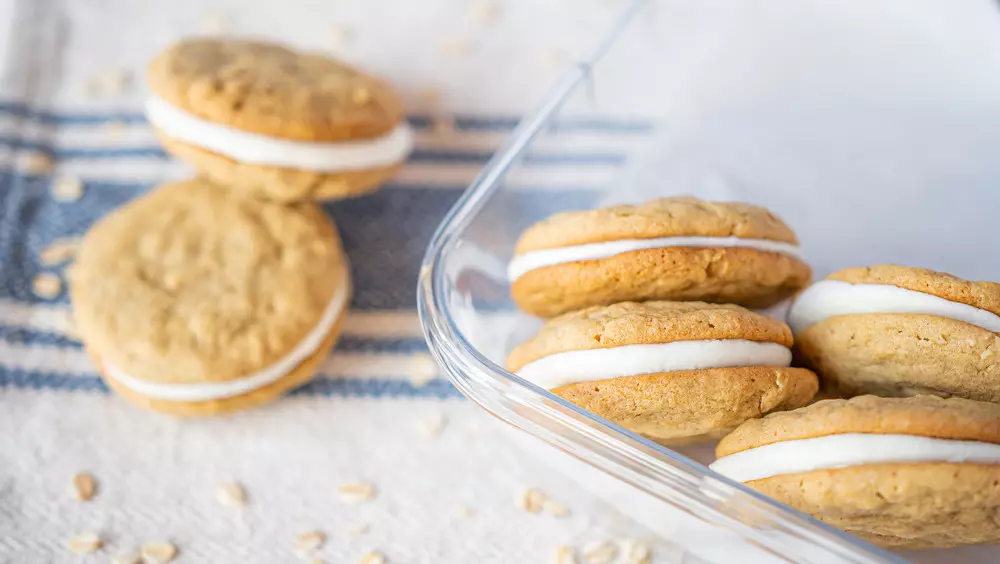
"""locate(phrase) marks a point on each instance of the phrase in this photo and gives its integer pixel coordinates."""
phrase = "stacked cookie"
(650, 329)
(221, 292)
(917, 462)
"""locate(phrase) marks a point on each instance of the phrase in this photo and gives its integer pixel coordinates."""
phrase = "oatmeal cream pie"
(898, 331)
(195, 300)
(913, 472)
(667, 249)
(672, 371)
(276, 123)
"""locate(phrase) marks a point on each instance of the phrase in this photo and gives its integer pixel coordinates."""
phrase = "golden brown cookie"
(276, 123)
(667, 370)
(667, 249)
(194, 300)
(900, 472)
(899, 331)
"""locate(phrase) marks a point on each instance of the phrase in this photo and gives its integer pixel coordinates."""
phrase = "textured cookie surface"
(984, 295)
(665, 217)
(899, 505)
(632, 323)
(747, 277)
(693, 403)
(903, 355)
(927, 416)
(190, 283)
(279, 184)
(271, 90)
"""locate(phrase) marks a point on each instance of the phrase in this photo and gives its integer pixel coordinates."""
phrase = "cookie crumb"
(423, 369)
(60, 251)
(466, 511)
(599, 552)
(443, 125)
(373, 557)
(214, 23)
(126, 558)
(429, 97)
(158, 552)
(485, 12)
(359, 530)
(231, 495)
(84, 486)
(555, 509)
(307, 543)
(530, 500)
(85, 543)
(37, 163)
(46, 285)
(108, 83)
(433, 426)
(340, 35)
(635, 552)
(355, 492)
(67, 189)
(564, 555)
(455, 47)
(115, 129)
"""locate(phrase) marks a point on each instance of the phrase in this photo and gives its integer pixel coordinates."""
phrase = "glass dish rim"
(449, 346)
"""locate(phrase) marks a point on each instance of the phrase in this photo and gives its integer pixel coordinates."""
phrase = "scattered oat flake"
(530, 500)
(635, 552)
(231, 495)
(108, 83)
(355, 492)
(373, 557)
(359, 530)
(456, 47)
(37, 163)
(67, 189)
(555, 509)
(429, 97)
(433, 425)
(46, 285)
(84, 543)
(157, 552)
(60, 251)
(127, 558)
(564, 555)
(115, 129)
(599, 552)
(84, 486)
(423, 369)
(443, 125)
(485, 12)
(466, 512)
(307, 543)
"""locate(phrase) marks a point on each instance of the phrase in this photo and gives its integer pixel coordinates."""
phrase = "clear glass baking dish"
(760, 148)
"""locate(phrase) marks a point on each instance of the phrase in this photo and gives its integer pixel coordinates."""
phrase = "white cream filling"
(263, 150)
(573, 367)
(830, 298)
(849, 449)
(534, 260)
(220, 390)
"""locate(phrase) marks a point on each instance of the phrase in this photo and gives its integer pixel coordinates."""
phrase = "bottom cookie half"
(899, 505)
(900, 355)
(297, 377)
(672, 406)
(279, 184)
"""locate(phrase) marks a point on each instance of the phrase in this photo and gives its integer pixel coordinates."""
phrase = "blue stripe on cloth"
(428, 156)
(462, 123)
(347, 343)
(384, 234)
(373, 388)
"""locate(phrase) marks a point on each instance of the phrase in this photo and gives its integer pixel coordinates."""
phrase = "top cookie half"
(271, 90)
(666, 249)
(190, 283)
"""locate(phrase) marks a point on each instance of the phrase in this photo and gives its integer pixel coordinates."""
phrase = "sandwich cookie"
(897, 331)
(900, 472)
(275, 123)
(193, 300)
(666, 249)
(672, 371)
